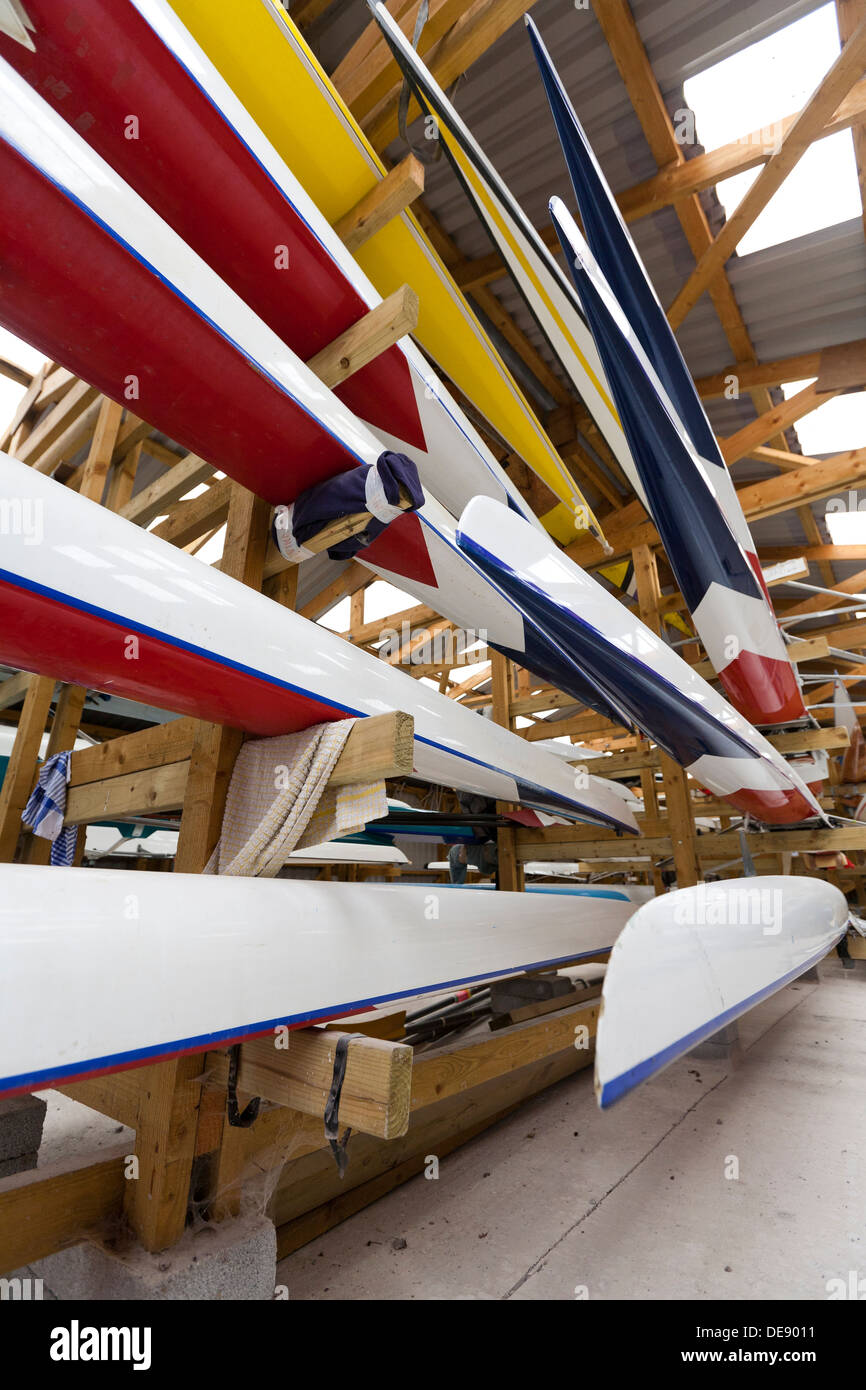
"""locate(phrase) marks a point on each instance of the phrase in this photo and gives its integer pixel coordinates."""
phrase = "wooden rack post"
(511, 872)
(679, 814)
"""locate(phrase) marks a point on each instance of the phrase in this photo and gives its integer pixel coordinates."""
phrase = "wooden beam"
(365, 340)
(480, 25)
(391, 196)
(630, 527)
(379, 746)
(850, 13)
(368, 72)
(299, 1074)
(188, 520)
(14, 688)
(56, 420)
(143, 793)
(94, 470)
(703, 171)
(161, 495)
(847, 69)
(773, 421)
(49, 1209)
(18, 782)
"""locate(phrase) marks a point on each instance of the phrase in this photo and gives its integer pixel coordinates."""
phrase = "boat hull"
(660, 693)
(692, 961)
(89, 598)
(260, 53)
(106, 969)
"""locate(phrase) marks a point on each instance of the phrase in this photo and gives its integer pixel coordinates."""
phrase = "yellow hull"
(262, 56)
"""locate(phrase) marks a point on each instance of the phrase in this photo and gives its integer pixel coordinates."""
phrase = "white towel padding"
(377, 503)
(279, 800)
(286, 544)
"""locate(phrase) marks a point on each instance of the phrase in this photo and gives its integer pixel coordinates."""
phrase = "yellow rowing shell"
(272, 71)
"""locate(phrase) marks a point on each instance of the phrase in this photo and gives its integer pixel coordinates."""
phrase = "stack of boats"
(189, 249)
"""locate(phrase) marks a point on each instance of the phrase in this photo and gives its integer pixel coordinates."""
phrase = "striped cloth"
(46, 809)
(279, 800)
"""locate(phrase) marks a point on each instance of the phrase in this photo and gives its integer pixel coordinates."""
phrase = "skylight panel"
(752, 91)
(837, 425)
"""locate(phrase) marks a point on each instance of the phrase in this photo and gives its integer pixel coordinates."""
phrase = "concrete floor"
(560, 1201)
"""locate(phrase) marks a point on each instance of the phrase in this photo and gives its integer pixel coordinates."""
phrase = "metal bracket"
(237, 1118)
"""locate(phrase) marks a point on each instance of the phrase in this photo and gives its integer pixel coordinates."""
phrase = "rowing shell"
(79, 246)
(546, 291)
(260, 53)
(204, 166)
(107, 969)
(691, 961)
(691, 495)
(93, 600)
(659, 692)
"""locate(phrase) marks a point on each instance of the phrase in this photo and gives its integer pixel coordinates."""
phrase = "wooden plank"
(395, 192)
(147, 748)
(117, 1095)
(13, 372)
(23, 409)
(134, 794)
(156, 1204)
(21, 769)
(481, 24)
(376, 1087)
(678, 181)
(368, 72)
(49, 1209)
(768, 497)
(94, 470)
(189, 519)
(56, 420)
(310, 1196)
(164, 492)
(378, 747)
(847, 69)
(14, 688)
(778, 418)
(371, 335)
(68, 443)
(122, 480)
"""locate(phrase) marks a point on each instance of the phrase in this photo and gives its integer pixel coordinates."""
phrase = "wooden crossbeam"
(478, 27)
(847, 69)
(161, 495)
(841, 366)
(750, 151)
(297, 1070)
(779, 417)
(48, 1209)
(392, 195)
(368, 72)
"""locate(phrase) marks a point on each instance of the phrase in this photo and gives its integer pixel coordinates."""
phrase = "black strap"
(332, 1109)
(235, 1118)
(422, 152)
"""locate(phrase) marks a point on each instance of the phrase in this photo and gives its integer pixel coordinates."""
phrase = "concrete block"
(21, 1120)
(22, 1164)
(232, 1260)
(722, 1046)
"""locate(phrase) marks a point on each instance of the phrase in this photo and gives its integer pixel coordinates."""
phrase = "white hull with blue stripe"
(89, 598)
(692, 961)
(106, 969)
